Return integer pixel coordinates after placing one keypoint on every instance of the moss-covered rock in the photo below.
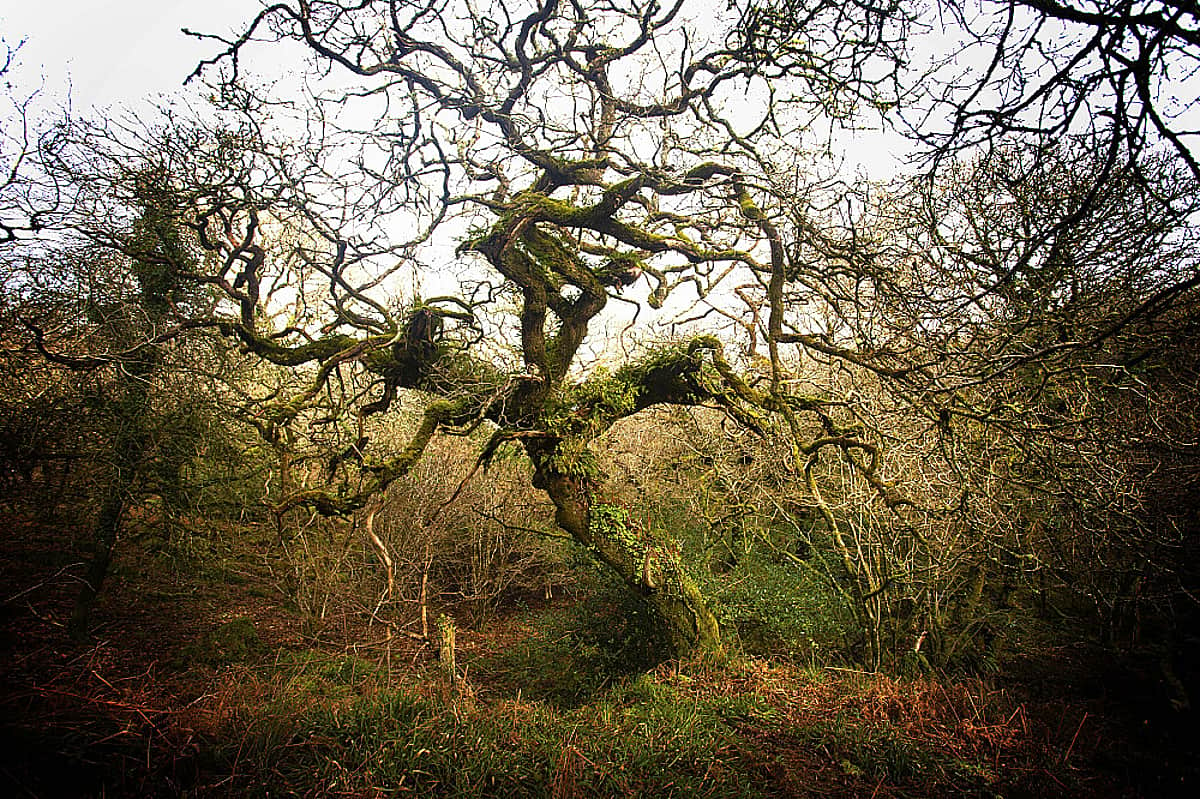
(235, 641)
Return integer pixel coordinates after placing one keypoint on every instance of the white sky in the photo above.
(112, 52)
(117, 52)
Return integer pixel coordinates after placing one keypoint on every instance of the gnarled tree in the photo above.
(566, 153)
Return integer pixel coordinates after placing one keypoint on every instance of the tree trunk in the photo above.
(130, 443)
(648, 566)
(108, 525)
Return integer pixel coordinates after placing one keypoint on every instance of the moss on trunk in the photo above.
(649, 566)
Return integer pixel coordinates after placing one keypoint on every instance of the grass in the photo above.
(736, 729)
(573, 654)
(561, 700)
(234, 641)
(643, 737)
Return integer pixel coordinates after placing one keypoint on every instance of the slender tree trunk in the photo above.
(156, 235)
(428, 562)
(108, 525)
(446, 647)
(131, 441)
(128, 450)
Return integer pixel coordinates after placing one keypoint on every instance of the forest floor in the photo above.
(204, 678)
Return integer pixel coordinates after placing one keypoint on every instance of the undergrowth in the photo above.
(579, 651)
(740, 729)
(573, 698)
(301, 728)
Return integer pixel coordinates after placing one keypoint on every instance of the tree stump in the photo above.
(446, 631)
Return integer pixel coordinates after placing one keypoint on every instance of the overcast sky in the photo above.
(117, 52)
(112, 51)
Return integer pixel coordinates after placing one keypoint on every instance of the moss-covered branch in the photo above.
(438, 413)
(691, 372)
(319, 350)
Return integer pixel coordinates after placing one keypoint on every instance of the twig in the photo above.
(1075, 737)
(43, 619)
(141, 711)
(36, 586)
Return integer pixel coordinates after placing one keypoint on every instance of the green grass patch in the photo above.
(235, 641)
(577, 653)
(880, 750)
(643, 737)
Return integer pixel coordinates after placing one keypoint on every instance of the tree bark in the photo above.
(128, 451)
(648, 566)
(108, 525)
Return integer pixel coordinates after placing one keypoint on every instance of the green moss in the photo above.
(235, 641)
(674, 373)
(548, 256)
(573, 459)
(586, 409)
(750, 210)
(537, 205)
(320, 350)
(612, 522)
